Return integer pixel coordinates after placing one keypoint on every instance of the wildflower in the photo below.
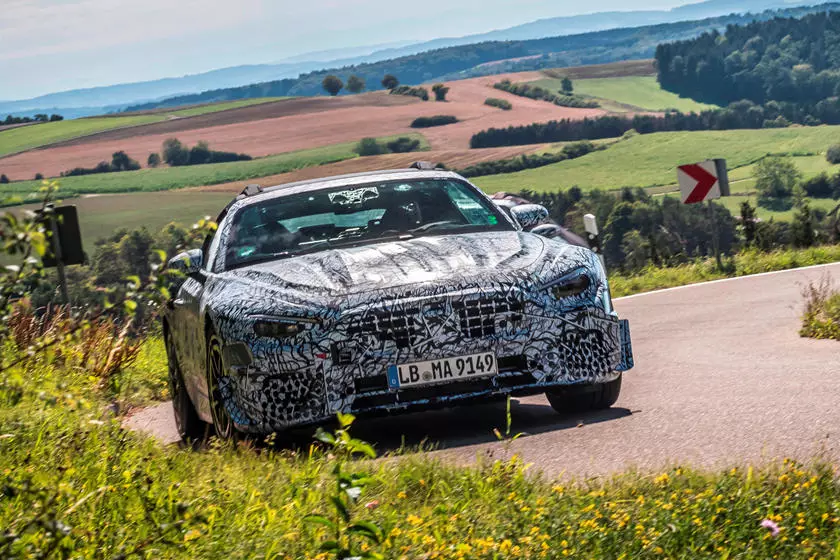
(372, 504)
(771, 526)
(414, 520)
(401, 495)
(661, 479)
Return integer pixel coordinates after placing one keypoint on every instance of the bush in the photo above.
(389, 81)
(437, 120)
(819, 186)
(420, 92)
(822, 311)
(39, 176)
(4, 180)
(153, 160)
(440, 92)
(832, 155)
(502, 104)
(537, 92)
(403, 144)
(527, 161)
(176, 154)
(776, 178)
(120, 161)
(369, 147)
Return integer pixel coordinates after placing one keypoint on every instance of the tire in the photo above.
(222, 422)
(588, 397)
(189, 425)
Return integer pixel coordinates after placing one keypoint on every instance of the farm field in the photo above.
(650, 160)
(22, 138)
(642, 92)
(207, 108)
(101, 215)
(168, 178)
(303, 123)
(610, 70)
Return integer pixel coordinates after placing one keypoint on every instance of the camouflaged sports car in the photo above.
(384, 292)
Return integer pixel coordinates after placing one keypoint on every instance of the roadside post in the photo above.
(590, 224)
(66, 243)
(705, 181)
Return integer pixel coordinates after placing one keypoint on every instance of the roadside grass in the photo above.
(169, 178)
(748, 261)
(650, 160)
(641, 92)
(78, 485)
(822, 310)
(27, 137)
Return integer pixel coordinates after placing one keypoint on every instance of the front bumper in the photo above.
(346, 369)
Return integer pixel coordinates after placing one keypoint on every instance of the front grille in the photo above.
(475, 317)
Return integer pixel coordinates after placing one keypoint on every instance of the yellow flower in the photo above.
(661, 479)
(401, 495)
(414, 520)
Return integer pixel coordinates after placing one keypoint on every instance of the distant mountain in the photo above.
(109, 98)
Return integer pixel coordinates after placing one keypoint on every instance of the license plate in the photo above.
(445, 369)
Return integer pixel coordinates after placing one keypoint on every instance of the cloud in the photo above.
(30, 28)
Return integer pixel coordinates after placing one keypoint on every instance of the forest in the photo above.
(782, 59)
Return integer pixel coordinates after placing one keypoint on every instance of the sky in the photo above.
(57, 45)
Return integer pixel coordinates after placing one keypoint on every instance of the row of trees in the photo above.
(120, 161)
(564, 99)
(333, 85)
(176, 154)
(742, 114)
(40, 117)
(783, 59)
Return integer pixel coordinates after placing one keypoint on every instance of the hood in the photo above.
(434, 259)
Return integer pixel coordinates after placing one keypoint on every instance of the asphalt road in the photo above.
(721, 378)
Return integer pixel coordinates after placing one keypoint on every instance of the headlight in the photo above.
(281, 327)
(570, 285)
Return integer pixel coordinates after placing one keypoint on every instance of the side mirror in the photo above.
(187, 263)
(529, 215)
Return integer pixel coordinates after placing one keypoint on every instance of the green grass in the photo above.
(650, 160)
(742, 264)
(642, 92)
(66, 464)
(27, 137)
(168, 178)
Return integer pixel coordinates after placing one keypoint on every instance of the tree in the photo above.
(567, 86)
(153, 159)
(440, 92)
(332, 84)
(4, 180)
(355, 84)
(120, 161)
(175, 153)
(802, 226)
(776, 177)
(369, 147)
(832, 155)
(56, 118)
(390, 81)
(748, 222)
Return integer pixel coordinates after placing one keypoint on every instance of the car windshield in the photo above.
(323, 219)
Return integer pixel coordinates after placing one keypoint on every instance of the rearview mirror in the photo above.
(187, 263)
(529, 215)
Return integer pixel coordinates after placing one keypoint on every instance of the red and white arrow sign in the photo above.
(698, 182)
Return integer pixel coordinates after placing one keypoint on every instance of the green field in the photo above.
(651, 160)
(641, 92)
(27, 137)
(168, 178)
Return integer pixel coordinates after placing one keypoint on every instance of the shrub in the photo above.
(437, 120)
(176, 154)
(39, 176)
(120, 161)
(832, 155)
(537, 92)
(420, 92)
(775, 178)
(822, 310)
(440, 92)
(502, 104)
(369, 147)
(4, 180)
(819, 186)
(153, 160)
(403, 144)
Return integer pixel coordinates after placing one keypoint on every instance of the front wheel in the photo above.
(189, 425)
(578, 398)
(222, 422)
